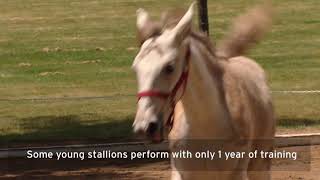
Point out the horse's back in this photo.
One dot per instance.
(248, 99)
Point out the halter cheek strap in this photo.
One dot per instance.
(171, 96)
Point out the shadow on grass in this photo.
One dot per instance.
(45, 130)
(55, 130)
(75, 169)
(296, 123)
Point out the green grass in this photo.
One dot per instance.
(85, 48)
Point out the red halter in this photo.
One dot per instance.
(182, 81)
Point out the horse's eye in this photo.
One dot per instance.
(169, 69)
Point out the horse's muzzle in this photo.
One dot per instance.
(152, 127)
(155, 131)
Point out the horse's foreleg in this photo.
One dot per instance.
(175, 175)
(259, 169)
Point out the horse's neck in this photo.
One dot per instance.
(205, 109)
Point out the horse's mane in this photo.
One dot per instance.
(205, 40)
(171, 18)
(247, 29)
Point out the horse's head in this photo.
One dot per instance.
(160, 67)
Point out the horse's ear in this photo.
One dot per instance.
(183, 28)
(145, 26)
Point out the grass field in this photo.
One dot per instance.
(79, 48)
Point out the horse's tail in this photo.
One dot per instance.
(247, 30)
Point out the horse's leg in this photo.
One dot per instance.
(236, 168)
(259, 168)
(175, 175)
(243, 175)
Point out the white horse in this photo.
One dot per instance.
(215, 93)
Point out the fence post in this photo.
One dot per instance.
(203, 16)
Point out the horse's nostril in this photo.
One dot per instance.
(152, 128)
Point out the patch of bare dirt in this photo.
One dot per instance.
(51, 73)
(47, 49)
(24, 64)
(84, 62)
(305, 130)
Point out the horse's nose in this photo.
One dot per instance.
(153, 128)
(154, 131)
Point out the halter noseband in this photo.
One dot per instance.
(182, 81)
